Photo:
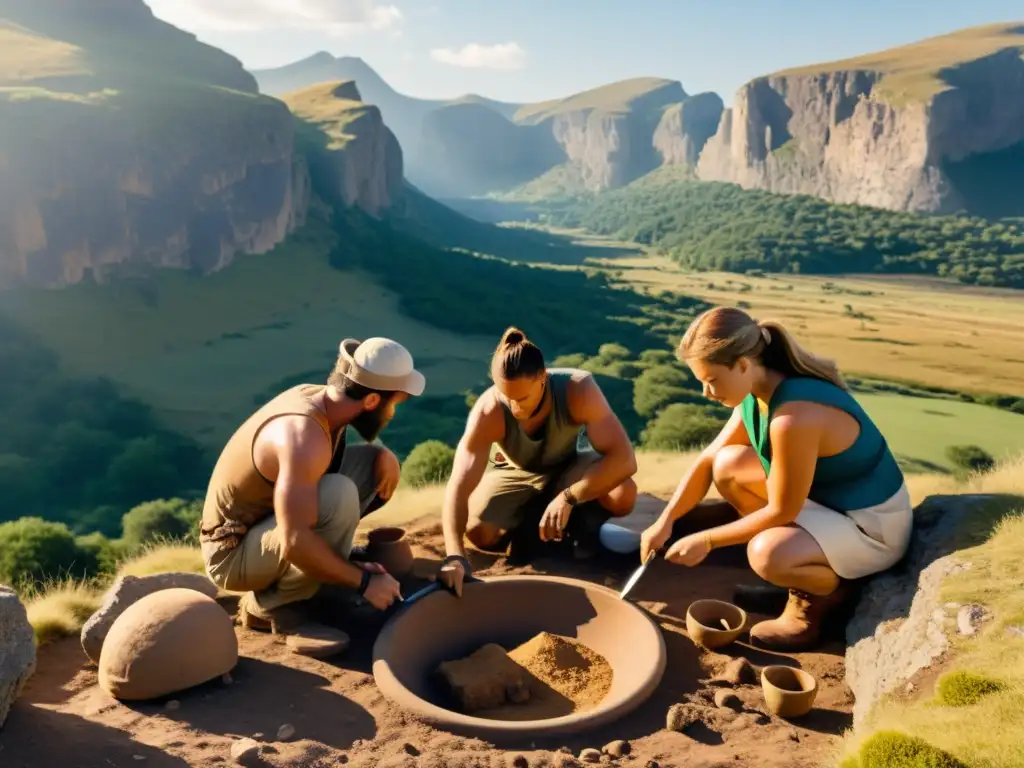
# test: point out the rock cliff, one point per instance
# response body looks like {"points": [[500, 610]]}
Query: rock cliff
{"points": [[882, 130], [355, 159], [685, 128], [128, 144]]}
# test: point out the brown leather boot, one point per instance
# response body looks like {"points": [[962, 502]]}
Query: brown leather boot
{"points": [[799, 627], [302, 636]]}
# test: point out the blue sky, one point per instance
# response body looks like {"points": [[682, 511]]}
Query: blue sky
{"points": [[531, 50]]}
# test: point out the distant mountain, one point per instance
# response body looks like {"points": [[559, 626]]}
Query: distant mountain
{"points": [[473, 145]]}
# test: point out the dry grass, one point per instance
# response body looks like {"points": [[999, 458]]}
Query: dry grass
{"points": [[331, 115], [921, 330], [61, 608], [614, 97], [914, 72], [987, 733], [26, 56], [164, 558]]}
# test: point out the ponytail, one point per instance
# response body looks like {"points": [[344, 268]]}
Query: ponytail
{"points": [[783, 353], [516, 357]]}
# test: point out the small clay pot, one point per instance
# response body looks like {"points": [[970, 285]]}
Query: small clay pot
{"points": [[706, 622], [389, 547], [788, 692]]}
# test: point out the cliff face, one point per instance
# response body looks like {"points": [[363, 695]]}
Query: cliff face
{"points": [[355, 159], [685, 128], [841, 136], [111, 160]]}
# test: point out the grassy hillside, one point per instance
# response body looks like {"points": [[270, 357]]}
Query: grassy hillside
{"points": [[916, 72], [611, 98], [330, 108], [919, 330], [716, 226]]}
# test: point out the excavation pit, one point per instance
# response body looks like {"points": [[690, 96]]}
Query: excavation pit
{"points": [[532, 617]]}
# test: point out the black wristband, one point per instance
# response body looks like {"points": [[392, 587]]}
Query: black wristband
{"points": [[459, 558], [570, 499], [364, 583]]}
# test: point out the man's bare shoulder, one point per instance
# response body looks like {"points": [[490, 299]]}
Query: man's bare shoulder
{"points": [[297, 440], [485, 420]]}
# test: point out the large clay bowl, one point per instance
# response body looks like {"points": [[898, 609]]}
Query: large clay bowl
{"points": [[510, 610], [788, 692], [704, 623]]}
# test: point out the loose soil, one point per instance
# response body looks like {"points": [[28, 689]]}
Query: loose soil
{"points": [[339, 717], [562, 676]]}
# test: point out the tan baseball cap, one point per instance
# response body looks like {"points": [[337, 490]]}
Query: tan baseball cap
{"points": [[380, 363]]}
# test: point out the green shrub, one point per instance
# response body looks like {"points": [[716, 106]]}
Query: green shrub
{"points": [[682, 426], [428, 463], [104, 551], [159, 519], [970, 458], [33, 550], [660, 386], [892, 749], [962, 689]]}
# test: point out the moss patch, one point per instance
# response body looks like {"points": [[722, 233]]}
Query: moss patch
{"points": [[892, 749], [962, 689]]}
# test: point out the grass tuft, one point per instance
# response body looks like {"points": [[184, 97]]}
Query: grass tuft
{"points": [[961, 688], [60, 609], [893, 749], [164, 558]]}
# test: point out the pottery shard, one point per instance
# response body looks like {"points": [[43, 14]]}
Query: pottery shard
{"points": [[17, 650], [682, 716], [738, 672], [486, 678], [590, 756], [126, 591], [725, 699]]}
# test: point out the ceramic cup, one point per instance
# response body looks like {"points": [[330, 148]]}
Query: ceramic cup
{"points": [[788, 692], [714, 623]]}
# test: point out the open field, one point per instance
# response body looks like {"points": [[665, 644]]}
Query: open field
{"points": [[958, 337], [201, 350]]}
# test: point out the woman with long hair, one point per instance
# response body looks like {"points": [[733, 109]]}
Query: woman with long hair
{"points": [[819, 499]]}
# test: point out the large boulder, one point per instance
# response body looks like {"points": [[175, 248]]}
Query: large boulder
{"points": [[17, 650], [900, 625], [126, 591], [166, 642]]}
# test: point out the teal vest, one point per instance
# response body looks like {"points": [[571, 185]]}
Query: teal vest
{"points": [[863, 475]]}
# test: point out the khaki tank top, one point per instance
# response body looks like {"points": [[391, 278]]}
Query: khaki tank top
{"points": [[555, 440], [239, 496]]}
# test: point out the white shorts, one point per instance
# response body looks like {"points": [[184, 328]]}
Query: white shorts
{"points": [[862, 541]]}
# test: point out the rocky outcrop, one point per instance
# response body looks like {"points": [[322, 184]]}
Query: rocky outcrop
{"points": [[843, 136], [685, 128], [184, 180], [17, 650], [355, 159], [901, 626]]}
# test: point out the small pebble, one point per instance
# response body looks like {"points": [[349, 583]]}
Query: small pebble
{"points": [[409, 749], [726, 699], [909, 688], [258, 735], [227, 679], [245, 751], [590, 755], [285, 732], [617, 748], [172, 705], [520, 761], [138, 757]]}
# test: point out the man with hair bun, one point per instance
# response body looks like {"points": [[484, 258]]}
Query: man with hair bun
{"points": [[520, 445]]}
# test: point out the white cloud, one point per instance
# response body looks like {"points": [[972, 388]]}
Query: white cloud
{"points": [[338, 18], [499, 56]]}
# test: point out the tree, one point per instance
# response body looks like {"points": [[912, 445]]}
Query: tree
{"points": [[971, 458], [659, 386], [162, 518], [680, 427]]}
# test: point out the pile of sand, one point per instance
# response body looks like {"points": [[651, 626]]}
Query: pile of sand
{"points": [[547, 676]]}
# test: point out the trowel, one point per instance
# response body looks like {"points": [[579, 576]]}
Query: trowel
{"points": [[636, 576]]}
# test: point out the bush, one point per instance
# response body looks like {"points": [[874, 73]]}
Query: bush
{"points": [[962, 689], [159, 519], [658, 387], [970, 458], [428, 463], [33, 550], [682, 426], [892, 749]]}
